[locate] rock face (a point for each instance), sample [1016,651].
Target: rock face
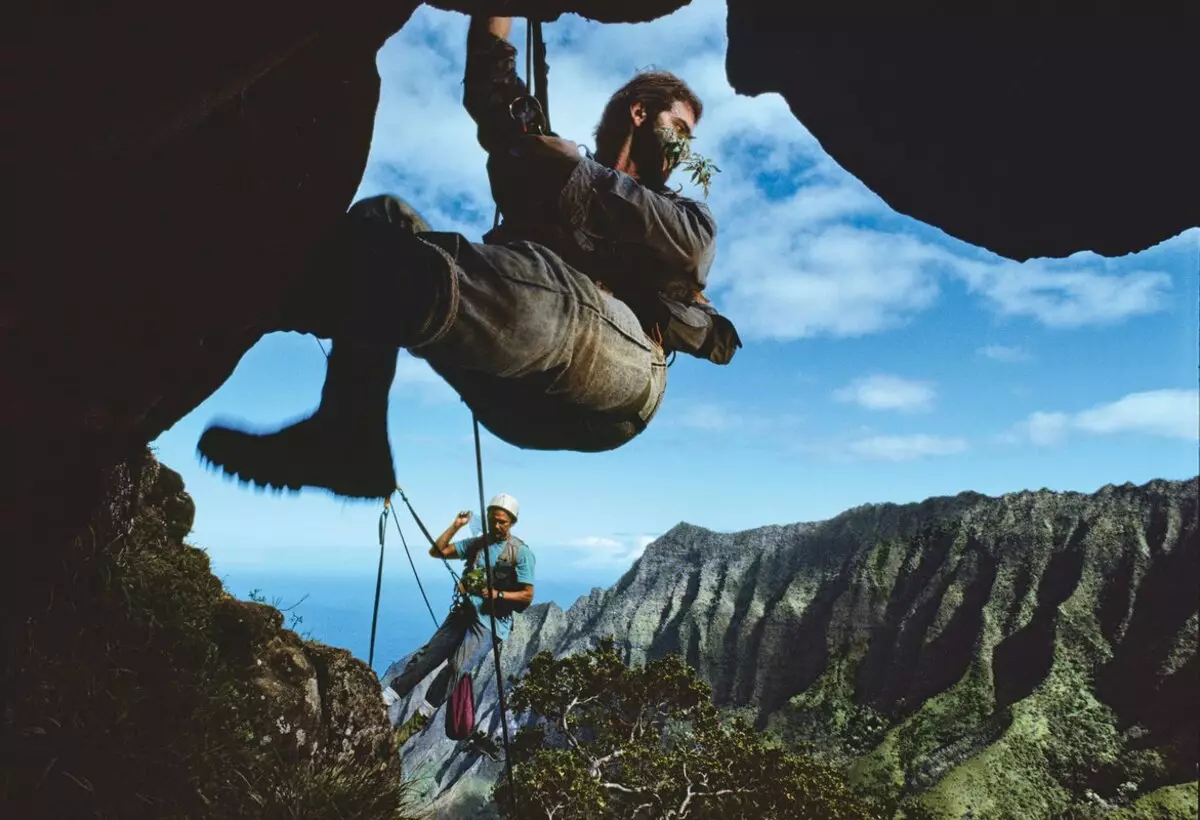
[1009,654]
[139,688]
[1014,134]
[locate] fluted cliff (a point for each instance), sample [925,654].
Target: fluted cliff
[1013,656]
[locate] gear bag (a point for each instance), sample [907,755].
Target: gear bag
[460,709]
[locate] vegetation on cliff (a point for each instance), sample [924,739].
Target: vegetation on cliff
[140,688]
[609,740]
[1026,656]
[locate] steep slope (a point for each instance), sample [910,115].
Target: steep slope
[1007,655]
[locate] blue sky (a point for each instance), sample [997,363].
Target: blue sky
[883,360]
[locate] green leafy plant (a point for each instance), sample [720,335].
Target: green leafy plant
[411,727]
[294,619]
[646,742]
[678,150]
[475,581]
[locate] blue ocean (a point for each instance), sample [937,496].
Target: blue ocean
[336,610]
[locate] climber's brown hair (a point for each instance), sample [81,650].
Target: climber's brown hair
[657,91]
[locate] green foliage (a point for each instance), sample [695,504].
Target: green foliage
[411,727]
[474,581]
[294,618]
[882,554]
[614,741]
[679,153]
[127,701]
[826,718]
[299,792]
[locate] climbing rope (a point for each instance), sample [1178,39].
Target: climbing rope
[536,74]
[378,584]
[411,563]
[487,563]
[383,516]
[428,536]
[541,69]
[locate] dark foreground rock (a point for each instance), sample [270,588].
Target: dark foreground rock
[140,688]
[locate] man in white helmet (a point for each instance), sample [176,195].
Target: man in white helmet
[467,627]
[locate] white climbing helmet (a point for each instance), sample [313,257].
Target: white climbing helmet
[507,503]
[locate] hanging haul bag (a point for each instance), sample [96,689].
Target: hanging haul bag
[460,710]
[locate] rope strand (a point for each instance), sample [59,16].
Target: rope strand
[378,584]
[487,562]
[412,564]
[536,75]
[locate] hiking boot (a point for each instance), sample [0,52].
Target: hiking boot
[374,287]
[343,447]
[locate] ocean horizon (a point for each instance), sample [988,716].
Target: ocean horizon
[336,609]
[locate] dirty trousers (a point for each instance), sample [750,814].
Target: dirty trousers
[456,641]
[544,358]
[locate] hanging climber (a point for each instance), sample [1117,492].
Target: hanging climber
[554,330]
[463,631]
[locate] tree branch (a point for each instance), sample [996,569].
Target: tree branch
[600,761]
[620,788]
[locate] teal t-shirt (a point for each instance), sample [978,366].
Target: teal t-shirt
[522,571]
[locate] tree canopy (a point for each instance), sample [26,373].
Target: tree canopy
[609,740]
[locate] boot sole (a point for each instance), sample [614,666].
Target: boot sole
[224,448]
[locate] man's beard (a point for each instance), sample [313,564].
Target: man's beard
[646,149]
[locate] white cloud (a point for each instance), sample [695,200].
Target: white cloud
[1065,298]
[719,417]
[906,448]
[1047,428]
[794,282]
[883,392]
[595,542]
[1162,413]
[414,377]
[606,552]
[1168,413]
[1004,353]
[708,416]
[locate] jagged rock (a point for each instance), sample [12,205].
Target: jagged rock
[929,645]
[1026,135]
[137,687]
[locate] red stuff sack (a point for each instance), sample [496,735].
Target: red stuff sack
[460,710]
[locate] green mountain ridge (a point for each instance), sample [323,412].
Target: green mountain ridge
[1032,655]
